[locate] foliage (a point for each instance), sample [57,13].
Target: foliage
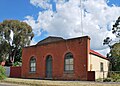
[2,73]
[107,80]
[4,49]
[14,35]
[17,63]
[99,80]
[115,76]
[114,54]
[115,57]
[1,59]
[104,80]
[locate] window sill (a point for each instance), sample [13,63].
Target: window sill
[32,72]
[68,72]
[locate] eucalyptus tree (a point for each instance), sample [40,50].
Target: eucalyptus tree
[14,35]
[114,54]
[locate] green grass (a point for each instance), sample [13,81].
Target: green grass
[32,82]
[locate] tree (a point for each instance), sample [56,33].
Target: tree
[114,54]
[14,35]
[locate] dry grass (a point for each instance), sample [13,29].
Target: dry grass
[32,82]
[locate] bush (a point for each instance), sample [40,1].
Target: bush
[118,80]
[2,73]
[17,64]
[107,80]
[1,59]
[115,76]
[99,80]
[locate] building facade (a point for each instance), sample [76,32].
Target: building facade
[58,58]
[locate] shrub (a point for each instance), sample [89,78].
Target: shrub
[118,80]
[115,76]
[1,59]
[99,80]
[17,64]
[107,80]
[2,73]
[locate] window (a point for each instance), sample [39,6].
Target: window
[101,66]
[68,67]
[32,64]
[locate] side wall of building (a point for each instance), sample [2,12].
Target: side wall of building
[94,64]
[78,47]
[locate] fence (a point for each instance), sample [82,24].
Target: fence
[14,72]
[7,71]
[91,76]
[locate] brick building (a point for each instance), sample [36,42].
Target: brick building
[58,58]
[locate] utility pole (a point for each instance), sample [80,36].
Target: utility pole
[81,16]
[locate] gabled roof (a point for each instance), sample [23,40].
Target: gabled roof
[50,39]
[97,54]
[53,39]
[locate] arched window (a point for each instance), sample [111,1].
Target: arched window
[68,66]
[32,64]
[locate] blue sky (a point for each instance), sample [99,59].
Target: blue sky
[19,9]
[116,2]
[16,9]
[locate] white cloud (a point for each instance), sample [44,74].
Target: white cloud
[46,4]
[36,26]
[104,51]
[41,3]
[98,18]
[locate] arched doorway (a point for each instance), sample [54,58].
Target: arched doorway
[49,66]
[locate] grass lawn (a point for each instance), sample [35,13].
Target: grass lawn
[32,82]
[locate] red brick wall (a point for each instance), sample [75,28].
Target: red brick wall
[15,72]
[91,76]
[78,47]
